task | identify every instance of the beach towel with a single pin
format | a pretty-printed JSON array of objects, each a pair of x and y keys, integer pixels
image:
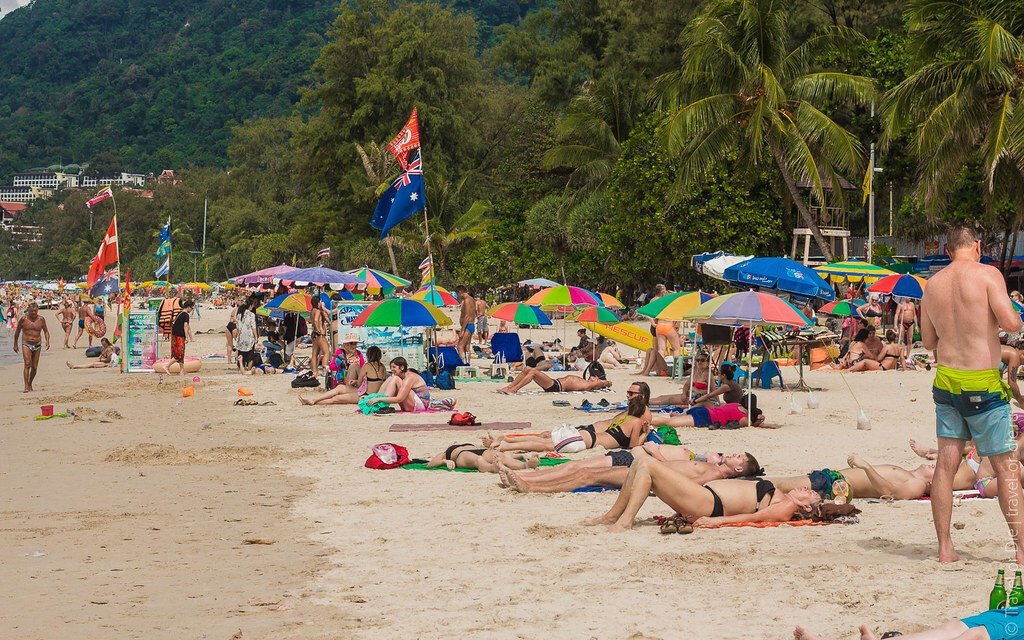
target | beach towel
[
  {"x": 593, "y": 488},
  {"x": 539, "y": 392},
  {"x": 422, "y": 466},
  {"x": 668, "y": 408},
  {"x": 964, "y": 494},
  {"x": 444, "y": 426}
]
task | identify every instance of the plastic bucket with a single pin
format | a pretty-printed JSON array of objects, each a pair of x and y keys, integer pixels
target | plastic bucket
[{"x": 46, "y": 410}]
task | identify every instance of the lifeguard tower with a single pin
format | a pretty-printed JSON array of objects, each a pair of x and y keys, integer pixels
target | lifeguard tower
[{"x": 831, "y": 221}]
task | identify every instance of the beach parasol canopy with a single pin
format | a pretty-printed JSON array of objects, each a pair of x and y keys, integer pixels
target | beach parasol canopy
[
  {"x": 198, "y": 285},
  {"x": 611, "y": 301},
  {"x": 520, "y": 313},
  {"x": 263, "y": 276},
  {"x": 401, "y": 312},
  {"x": 781, "y": 274},
  {"x": 902, "y": 284},
  {"x": 598, "y": 314},
  {"x": 378, "y": 279},
  {"x": 843, "y": 308},
  {"x": 320, "y": 276},
  {"x": 564, "y": 296},
  {"x": 715, "y": 267},
  {"x": 435, "y": 295},
  {"x": 539, "y": 282},
  {"x": 749, "y": 307},
  {"x": 674, "y": 306},
  {"x": 295, "y": 303},
  {"x": 853, "y": 271}
]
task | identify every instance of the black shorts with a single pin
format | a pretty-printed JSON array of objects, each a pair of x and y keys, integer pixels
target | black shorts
[
  {"x": 621, "y": 458},
  {"x": 231, "y": 327}
]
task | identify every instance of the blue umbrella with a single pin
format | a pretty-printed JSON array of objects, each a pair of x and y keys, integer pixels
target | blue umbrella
[
  {"x": 320, "y": 276},
  {"x": 781, "y": 274}
]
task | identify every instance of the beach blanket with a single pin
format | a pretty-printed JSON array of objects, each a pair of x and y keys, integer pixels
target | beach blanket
[
  {"x": 964, "y": 494},
  {"x": 757, "y": 525},
  {"x": 593, "y": 488},
  {"x": 422, "y": 466},
  {"x": 444, "y": 426}
]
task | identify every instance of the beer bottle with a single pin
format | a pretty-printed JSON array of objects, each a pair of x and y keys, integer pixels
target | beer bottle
[
  {"x": 1016, "y": 598},
  {"x": 997, "y": 599}
]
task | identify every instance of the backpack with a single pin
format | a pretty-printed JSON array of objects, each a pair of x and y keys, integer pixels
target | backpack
[
  {"x": 387, "y": 455},
  {"x": 595, "y": 370},
  {"x": 465, "y": 419},
  {"x": 443, "y": 380},
  {"x": 305, "y": 380}
]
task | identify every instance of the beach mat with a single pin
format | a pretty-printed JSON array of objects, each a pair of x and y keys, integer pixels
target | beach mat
[
  {"x": 422, "y": 466},
  {"x": 444, "y": 426},
  {"x": 593, "y": 488}
]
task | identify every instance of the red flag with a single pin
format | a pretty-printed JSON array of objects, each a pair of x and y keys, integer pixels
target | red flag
[
  {"x": 406, "y": 140},
  {"x": 100, "y": 196},
  {"x": 106, "y": 256}
]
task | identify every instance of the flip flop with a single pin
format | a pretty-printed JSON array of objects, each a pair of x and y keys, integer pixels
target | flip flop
[
  {"x": 560, "y": 403},
  {"x": 586, "y": 404},
  {"x": 603, "y": 403}
]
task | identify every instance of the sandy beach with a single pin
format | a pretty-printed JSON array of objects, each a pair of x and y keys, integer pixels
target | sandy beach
[{"x": 157, "y": 516}]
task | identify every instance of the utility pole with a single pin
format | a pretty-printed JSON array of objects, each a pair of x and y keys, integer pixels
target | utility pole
[
  {"x": 206, "y": 269},
  {"x": 890, "y": 209},
  {"x": 871, "y": 200}
]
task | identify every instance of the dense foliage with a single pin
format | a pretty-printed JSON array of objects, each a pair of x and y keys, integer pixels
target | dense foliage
[{"x": 600, "y": 141}]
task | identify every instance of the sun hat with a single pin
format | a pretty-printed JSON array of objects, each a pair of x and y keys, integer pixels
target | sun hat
[{"x": 352, "y": 337}]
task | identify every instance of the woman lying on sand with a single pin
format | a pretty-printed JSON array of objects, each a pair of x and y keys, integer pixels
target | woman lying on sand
[
  {"x": 464, "y": 456},
  {"x": 996, "y": 624},
  {"x": 720, "y": 502},
  {"x": 553, "y": 385},
  {"x": 626, "y": 430},
  {"x": 369, "y": 379}
]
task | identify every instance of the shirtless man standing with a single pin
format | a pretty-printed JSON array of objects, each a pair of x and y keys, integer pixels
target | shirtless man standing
[
  {"x": 29, "y": 328},
  {"x": 66, "y": 317},
  {"x": 481, "y": 320},
  {"x": 85, "y": 314},
  {"x": 467, "y": 314},
  {"x": 963, "y": 309}
]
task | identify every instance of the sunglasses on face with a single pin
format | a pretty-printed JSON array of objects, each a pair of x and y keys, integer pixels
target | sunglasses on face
[{"x": 630, "y": 392}]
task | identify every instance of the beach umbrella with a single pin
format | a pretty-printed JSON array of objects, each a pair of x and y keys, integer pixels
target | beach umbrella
[
  {"x": 435, "y": 295},
  {"x": 263, "y": 276},
  {"x": 562, "y": 296},
  {"x": 539, "y": 282},
  {"x": 198, "y": 285},
  {"x": 296, "y": 302},
  {"x": 843, "y": 308},
  {"x": 520, "y": 313},
  {"x": 401, "y": 312},
  {"x": 853, "y": 271},
  {"x": 320, "y": 276},
  {"x": 378, "y": 279},
  {"x": 611, "y": 301},
  {"x": 674, "y": 306},
  {"x": 781, "y": 274},
  {"x": 902, "y": 285},
  {"x": 715, "y": 267},
  {"x": 598, "y": 314},
  {"x": 344, "y": 294}
]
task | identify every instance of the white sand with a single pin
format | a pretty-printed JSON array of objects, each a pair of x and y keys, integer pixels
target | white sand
[{"x": 142, "y": 506}]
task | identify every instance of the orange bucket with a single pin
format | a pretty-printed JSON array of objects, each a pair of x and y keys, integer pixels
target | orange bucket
[{"x": 46, "y": 410}]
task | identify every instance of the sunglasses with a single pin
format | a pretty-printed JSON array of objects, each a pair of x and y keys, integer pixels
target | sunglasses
[{"x": 630, "y": 392}]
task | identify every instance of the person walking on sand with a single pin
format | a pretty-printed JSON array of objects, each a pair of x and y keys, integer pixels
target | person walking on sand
[
  {"x": 467, "y": 314},
  {"x": 962, "y": 311},
  {"x": 66, "y": 316},
  {"x": 29, "y": 328},
  {"x": 181, "y": 333}
]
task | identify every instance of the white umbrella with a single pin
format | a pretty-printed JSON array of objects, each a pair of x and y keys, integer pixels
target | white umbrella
[{"x": 716, "y": 267}]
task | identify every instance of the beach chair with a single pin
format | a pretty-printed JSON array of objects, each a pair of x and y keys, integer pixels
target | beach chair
[
  {"x": 740, "y": 374},
  {"x": 447, "y": 358},
  {"x": 768, "y": 371},
  {"x": 507, "y": 347}
]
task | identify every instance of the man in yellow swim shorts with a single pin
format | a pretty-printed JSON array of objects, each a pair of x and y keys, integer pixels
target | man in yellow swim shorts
[{"x": 964, "y": 307}]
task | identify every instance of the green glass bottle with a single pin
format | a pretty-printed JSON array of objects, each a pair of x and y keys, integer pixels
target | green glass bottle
[
  {"x": 1016, "y": 598},
  {"x": 997, "y": 599}
]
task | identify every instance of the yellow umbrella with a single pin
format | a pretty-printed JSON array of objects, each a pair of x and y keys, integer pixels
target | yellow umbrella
[
  {"x": 611, "y": 301},
  {"x": 198, "y": 285}
]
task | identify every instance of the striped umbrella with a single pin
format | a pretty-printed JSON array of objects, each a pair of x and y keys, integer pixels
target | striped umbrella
[
  {"x": 611, "y": 301},
  {"x": 520, "y": 313},
  {"x": 564, "y": 296},
  {"x": 401, "y": 312},
  {"x": 379, "y": 279},
  {"x": 294, "y": 303},
  {"x": 749, "y": 307},
  {"x": 843, "y": 308},
  {"x": 597, "y": 314},
  {"x": 853, "y": 271},
  {"x": 902, "y": 285},
  {"x": 435, "y": 295},
  {"x": 674, "y": 306}
]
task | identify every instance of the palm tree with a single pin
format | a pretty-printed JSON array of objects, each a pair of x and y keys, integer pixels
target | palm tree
[
  {"x": 965, "y": 102},
  {"x": 743, "y": 86}
]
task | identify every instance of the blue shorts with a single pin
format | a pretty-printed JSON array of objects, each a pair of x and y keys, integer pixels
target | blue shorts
[
  {"x": 1001, "y": 624},
  {"x": 471, "y": 328},
  {"x": 701, "y": 416},
  {"x": 975, "y": 415}
]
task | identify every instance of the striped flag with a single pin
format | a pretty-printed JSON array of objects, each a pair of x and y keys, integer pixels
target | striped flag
[
  {"x": 427, "y": 271},
  {"x": 100, "y": 196},
  {"x": 324, "y": 253}
]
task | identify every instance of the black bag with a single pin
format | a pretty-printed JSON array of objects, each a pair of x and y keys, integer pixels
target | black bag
[
  {"x": 595, "y": 370},
  {"x": 305, "y": 380}
]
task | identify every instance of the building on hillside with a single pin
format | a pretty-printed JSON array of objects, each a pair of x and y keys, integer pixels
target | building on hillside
[
  {"x": 9, "y": 212},
  {"x": 21, "y": 234},
  {"x": 120, "y": 180},
  {"x": 46, "y": 180},
  {"x": 24, "y": 193}
]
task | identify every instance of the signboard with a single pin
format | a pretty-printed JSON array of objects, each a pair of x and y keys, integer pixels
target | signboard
[
  {"x": 407, "y": 342},
  {"x": 142, "y": 341}
]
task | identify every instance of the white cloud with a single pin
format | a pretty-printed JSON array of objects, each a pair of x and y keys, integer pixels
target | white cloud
[{"x": 6, "y": 6}]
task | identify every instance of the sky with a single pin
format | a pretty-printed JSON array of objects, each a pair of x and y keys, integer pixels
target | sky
[{"x": 8, "y": 5}]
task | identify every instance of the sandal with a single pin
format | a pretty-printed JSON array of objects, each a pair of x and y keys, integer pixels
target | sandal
[{"x": 603, "y": 403}]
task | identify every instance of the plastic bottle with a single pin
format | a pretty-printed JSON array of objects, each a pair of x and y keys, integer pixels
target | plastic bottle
[{"x": 863, "y": 421}]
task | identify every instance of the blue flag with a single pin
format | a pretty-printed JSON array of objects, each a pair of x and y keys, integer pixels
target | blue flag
[{"x": 405, "y": 197}]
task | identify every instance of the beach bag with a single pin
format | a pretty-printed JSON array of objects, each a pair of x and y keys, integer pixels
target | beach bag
[
  {"x": 387, "y": 455},
  {"x": 305, "y": 380},
  {"x": 567, "y": 439},
  {"x": 464, "y": 419},
  {"x": 595, "y": 370},
  {"x": 444, "y": 381}
]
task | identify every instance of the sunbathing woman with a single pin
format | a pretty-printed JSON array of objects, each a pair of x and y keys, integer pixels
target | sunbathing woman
[
  {"x": 369, "y": 380},
  {"x": 626, "y": 430},
  {"x": 715, "y": 417},
  {"x": 858, "y": 358},
  {"x": 554, "y": 385},
  {"x": 720, "y": 502},
  {"x": 465, "y": 456},
  {"x": 405, "y": 388},
  {"x": 695, "y": 385}
]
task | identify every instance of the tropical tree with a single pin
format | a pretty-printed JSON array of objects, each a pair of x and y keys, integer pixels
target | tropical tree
[
  {"x": 744, "y": 86},
  {"x": 964, "y": 104}
]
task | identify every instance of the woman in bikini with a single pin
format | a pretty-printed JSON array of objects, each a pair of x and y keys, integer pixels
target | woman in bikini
[
  {"x": 871, "y": 311},
  {"x": 553, "y": 385},
  {"x": 716, "y": 503},
  {"x": 318, "y": 320},
  {"x": 713, "y": 416},
  {"x": 108, "y": 358},
  {"x": 858, "y": 358},
  {"x": 465, "y": 456},
  {"x": 625, "y": 431},
  {"x": 695, "y": 385},
  {"x": 405, "y": 388},
  {"x": 369, "y": 379}
]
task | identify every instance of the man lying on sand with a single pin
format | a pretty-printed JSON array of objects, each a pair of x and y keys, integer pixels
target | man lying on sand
[
  {"x": 864, "y": 480},
  {"x": 625, "y": 431},
  {"x": 732, "y": 415},
  {"x": 464, "y": 456},
  {"x": 720, "y": 502},
  {"x": 997, "y": 624},
  {"x": 554, "y": 385},
  {"x": 611, "y": 469}
]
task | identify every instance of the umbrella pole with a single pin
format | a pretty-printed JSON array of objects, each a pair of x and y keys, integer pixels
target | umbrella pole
[{"x": 750, "y": 364}]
